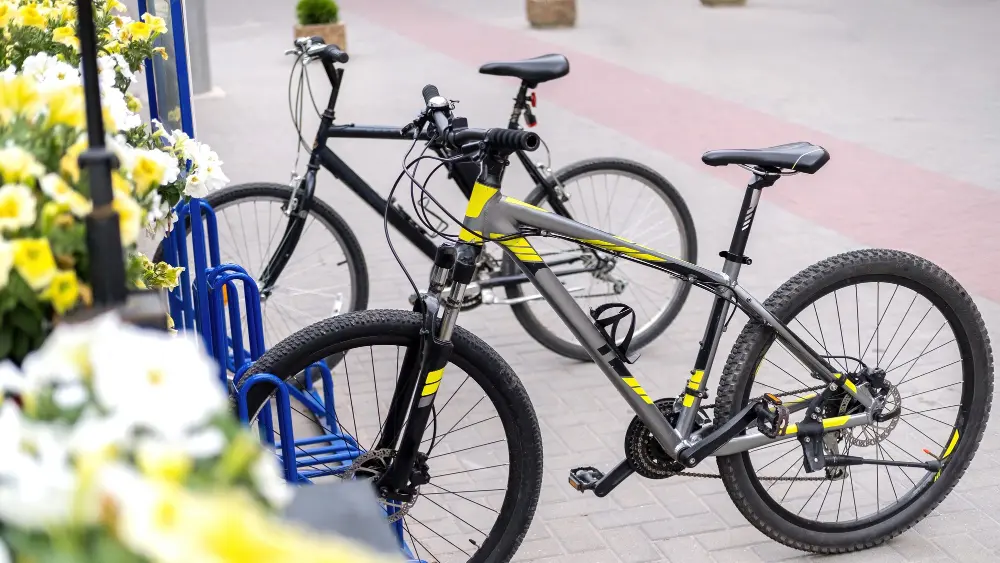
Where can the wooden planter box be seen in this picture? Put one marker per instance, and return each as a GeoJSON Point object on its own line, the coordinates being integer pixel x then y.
{"type": "Point", "coordinates": [332, 33]}
{"type": "Point", "coordinates": [552, 13]}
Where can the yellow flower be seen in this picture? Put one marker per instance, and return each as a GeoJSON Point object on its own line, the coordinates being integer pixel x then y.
{"type": "Point", "coordinates": [17, 207]}
{"type": "Point", "coordinates": [162, 52]}
{"type": "Point", "coordinates": [18, 96]}
{"type": "Point", "coordinates": [120, 185]}
{"type": "Point", "coordinates": [70, 165]}
{"type": "Point", "coordinates": [147, 173]}
{"type": "Point", "coordinates": [63, 291]}
{"type": "Point", "coordinates": [29, 16]}
{"type": "Point", "coordinates": [158, 26]}
{"type": "Point", "coordinates": [165, 464]}
{"type": "Point", "coordinates": [114, 6]}
{"type": "Point", "coordinates": [66, 107]}
{"type": "Point", "coordinates": [19, 165]}
{"type": "Point", "coordinates": [6, 13]}
{"type": "Point", "coordinates": [56, 188]}
{"type": "Point", "coordinates": [6, 262]}
{"type": "Point", "coordinates": [67, 12]}
{"type": "Point", "coordinates": [130, 218]}
{"type": "Point", "coordinates": [138, 31]}
{"type": "Point", "coordinates": [67, 36]}
{"type": "Point", "coordinates": [33, 260]}
{"type": "Point", "coordinates": [113, 47]}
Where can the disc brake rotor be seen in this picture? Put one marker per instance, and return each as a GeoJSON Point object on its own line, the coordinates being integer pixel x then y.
{"type": "Point", "coordinates": [370, 465]}
{"type": "Point", "coordinates": [870, 434]}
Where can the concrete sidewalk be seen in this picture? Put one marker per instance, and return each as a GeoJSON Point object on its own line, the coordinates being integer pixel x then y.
{"type": "Point", "coordinates": [902, 93]}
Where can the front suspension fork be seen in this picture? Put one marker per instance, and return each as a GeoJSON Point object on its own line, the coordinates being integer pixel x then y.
{"type": "Point", "coordinates": [423, 366]}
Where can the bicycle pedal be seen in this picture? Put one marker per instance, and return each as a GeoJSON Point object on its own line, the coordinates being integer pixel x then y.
{"type": "Point", "coordinates": [584, 478]}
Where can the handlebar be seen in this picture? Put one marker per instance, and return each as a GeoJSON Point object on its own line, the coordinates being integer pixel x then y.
{"type": "Point", "coordinates": [502, 139]}
{"type": "Point", "coordinates": [316, 47]}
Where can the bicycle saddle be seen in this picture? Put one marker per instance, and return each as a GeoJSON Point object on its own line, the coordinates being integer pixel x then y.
{"type": "Point", "coordinates": [798, 157]}
{"type": "Point", "coordinates": [533, 71]}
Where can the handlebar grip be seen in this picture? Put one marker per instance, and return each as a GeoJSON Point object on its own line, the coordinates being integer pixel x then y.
{"type": "Point", "coordinates": [513, 139]}
{"type": "Point", "coordinates": [333, 54]}
{"type": "Point", "coordinates": [430, 91]}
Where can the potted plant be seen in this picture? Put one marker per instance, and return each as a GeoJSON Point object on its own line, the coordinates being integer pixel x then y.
{"type": "Point", "coordinates": [45, 262]}
{"type": "Point", "coordinates": [321, 18]}
{"type": "Point", "coordinates": [713, 3]}
{"type": "Point", "coordinates": [552, 13]}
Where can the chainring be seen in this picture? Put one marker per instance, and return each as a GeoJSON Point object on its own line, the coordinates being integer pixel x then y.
{"type": "Point", "coordinates": [645, 454]}
{"type": "Point", "coordinates": [371, 465]}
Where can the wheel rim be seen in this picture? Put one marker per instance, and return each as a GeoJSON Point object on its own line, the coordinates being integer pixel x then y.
{"type": "Point", "coordinates": [457, 515]}
{"type": "Point", "coordinates": [627, 205]}
{"type": "Point", "coordinates": [919, 342]}
{"type": "Point", "coordinates": [319, 279]}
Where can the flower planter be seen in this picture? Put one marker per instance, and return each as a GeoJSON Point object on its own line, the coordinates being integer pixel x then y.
{"type": "Point", "coordinates": [332, 33]}
{"type": "Point", "coordinates": [552, 13]}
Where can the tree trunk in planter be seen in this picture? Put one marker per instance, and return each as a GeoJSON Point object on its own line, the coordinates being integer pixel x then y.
{"type": "Point", "coordinates": [332, 33]}
{"type": "Point", "coordinates": [552, 13]}
{"type": "Point", "coordinates": [724, 2]}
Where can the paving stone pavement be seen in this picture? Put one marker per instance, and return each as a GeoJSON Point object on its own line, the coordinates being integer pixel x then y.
{"type": "Point", "coordinates": [913, 80]}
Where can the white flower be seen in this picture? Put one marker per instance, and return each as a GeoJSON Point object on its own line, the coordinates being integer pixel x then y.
{"type": "Point", "coordinates": [50, 73]}
{"type": "Point", "coordinates": [37, 485]}
{"type": "Point", "coordinates": [11, 379]}
{"type": "Point", "coordinates": [65, 356]}
{"type": "Point", "coordinates": [70, 397]}
{"type": "Point", "coordinates": [56, 188]}
{"type": "Point", "coordinates": [6, 261]}
{"type": "Point", "coordinates": [140, 506]}
{"type": "Point", "coordinates": [109, 67]}
{"type": "Point", "coordinates": [165, 384]}
{"type": "Point", "coordinates": [95, 434]}
{"type": "Point", "coordinates": [9, 73]}
{"type": "Point", "coordinates": [206, 443]}
{"type": "Point", "coordinates": [114, 101]}
{"type": "Point", "coordinates": [269, 482]}
{"type": "Point", "coordinates": [18, 206]}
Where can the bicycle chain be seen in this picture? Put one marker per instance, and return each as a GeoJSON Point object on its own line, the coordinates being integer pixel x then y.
{"type": "Point", "coordinates": [775, 479]}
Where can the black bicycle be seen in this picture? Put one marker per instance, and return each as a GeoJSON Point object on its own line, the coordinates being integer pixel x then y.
{"type": "Point", "coordinates": [301, 252]}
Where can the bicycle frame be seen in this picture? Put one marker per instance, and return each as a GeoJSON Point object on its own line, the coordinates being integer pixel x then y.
{"type": "Point", "coordinates": [490, 216]}
{"type": "Point", "coordinates": [463, 173]}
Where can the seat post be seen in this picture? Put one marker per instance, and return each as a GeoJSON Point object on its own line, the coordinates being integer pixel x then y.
{"type": "Point", "coordinates": [515, 116]}
{"type": "Point", "coordinates": [735, 257]}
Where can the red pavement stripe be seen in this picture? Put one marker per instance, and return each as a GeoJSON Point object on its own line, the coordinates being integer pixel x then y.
{"type": "Point", "coordinates": [875, 199]}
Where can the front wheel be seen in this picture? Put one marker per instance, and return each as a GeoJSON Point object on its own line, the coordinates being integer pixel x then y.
{"type": "Point", "coordinates": [482, 445]}
{"type": "Point", "coordinates": [866, 311]}
{"type": "Point", "coordinates": [623, 198]}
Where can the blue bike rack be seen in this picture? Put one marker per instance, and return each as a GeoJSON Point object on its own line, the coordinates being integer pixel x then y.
{"type": "Point", "coordinates": [207, 302]}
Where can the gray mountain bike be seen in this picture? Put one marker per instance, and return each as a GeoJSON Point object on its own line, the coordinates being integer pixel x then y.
{"type": "Point", "coordinates": [829, 436]}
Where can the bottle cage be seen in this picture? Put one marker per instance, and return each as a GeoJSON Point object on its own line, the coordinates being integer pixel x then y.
{"type": "Point", "coordinates": [614, 320]}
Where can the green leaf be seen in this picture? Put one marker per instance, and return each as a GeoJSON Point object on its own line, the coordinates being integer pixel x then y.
{"type": "Point", "coordinates": [6, 339]}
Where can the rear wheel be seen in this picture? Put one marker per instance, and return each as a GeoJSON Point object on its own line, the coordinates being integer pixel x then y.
{"type": "Point", "coordinates": [326, 274]}
{"type": "Point", "coordinates": [483, 445]}
{"type": "Point", "coordinates": [624, 198]}
{"type": "Point", "coordinates": [885, 310]}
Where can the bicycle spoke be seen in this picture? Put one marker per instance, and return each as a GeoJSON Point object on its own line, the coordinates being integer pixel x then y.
{"type": "Point", "coordinates": [911, 335]}
{"type": "Point", "coordinates": [840, 324]}
{"type": "Point", "coordinates": [440, 438]}
{"type": "Point", "coordinates": [932, 371]}
{"type": "Point", "coordinates": [466, 449]}
{"type": "Point", "coordinates": [470, 471]}
{"type": "Point", "coordinates": [899, 326]}
{"type": "Point", "coordinates": [463, 520]}
{"type": "Point", "coordinates": [922, 354]}
{"type": "Point", "coordinates": [411, 517]}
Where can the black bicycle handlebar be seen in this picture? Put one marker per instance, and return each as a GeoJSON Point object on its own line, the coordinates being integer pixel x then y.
{"type": "Point", "coordinates": [501, 139]}
{"type": "Point", "coordinates": [315, 46]}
